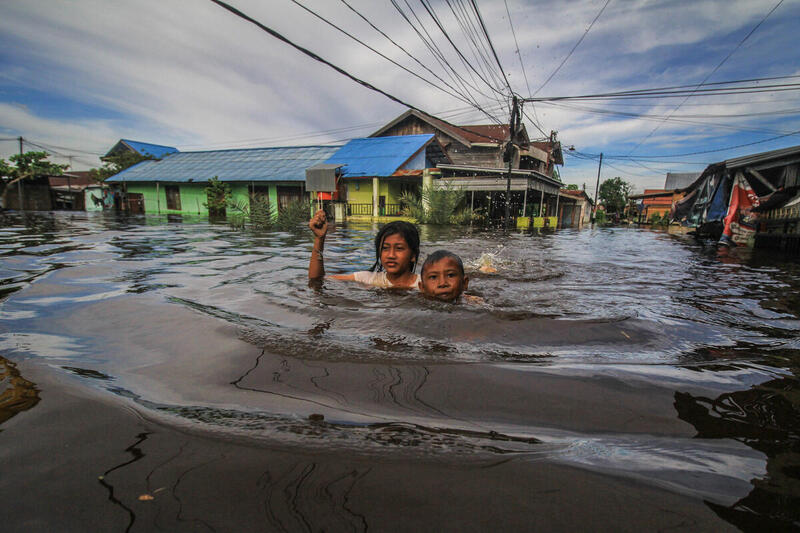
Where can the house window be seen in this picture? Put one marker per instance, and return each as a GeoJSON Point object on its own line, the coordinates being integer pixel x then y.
{"type": "Point", "coordinates": [287, 195]}
{"type": "Point", "coordinates": [173, 197]}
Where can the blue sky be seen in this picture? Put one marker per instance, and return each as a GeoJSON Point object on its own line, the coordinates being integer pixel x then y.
{"type": "Point", "coordinates": [79, 75]}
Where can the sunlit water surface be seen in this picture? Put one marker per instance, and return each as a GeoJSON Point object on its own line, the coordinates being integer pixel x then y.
{"type": "Point", "coordinates": [632, 352]}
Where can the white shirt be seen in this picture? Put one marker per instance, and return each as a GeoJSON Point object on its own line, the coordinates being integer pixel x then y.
{"type": "Point", "coordinates": [378, 279]}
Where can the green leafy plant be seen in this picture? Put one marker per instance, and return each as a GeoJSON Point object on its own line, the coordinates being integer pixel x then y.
{"type": "Point", "coordinates": [614, 194]}
{"type": "Point", "coordinates": [256, 211]}
{"type": "Point", "coordinates": [293, 214]}
{"type": "Point", "coordinates": [116, 164]}
{"type": "Point", "coordinates": [27, 166]}
{"type": "Point", "coordinates": [600, 217]}
{"type": "Point", "coordinates": [658, 220]}
{"type": "Point", "coordinates": [442, 203]}
{"type": "Point", "coordinates": [218, 196]}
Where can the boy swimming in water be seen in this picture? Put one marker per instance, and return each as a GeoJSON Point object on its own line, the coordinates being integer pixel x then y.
{"type": "Point", "coordinates": [443, 276]}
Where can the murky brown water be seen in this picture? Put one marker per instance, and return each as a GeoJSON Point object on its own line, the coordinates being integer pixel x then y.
{"type": "Point", "coordinates": [618, 362]}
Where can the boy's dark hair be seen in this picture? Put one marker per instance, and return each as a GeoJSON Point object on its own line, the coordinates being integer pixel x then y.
{"type": "Point", "coordinates": [408, 231]}
{"type": "Point", "coordinates": [438, 255]}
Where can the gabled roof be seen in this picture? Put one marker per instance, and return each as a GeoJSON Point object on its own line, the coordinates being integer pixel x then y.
{"type": "Point", "coordinates": [679, 180]}
{"type": "Point", "coordinates": [580, 193]}
{"type": "Point", "coordinates": [253, 164]}
{"type": "Point", "coordinates": [146, 149]}
{"type": "Point", "coordinates": [466, 135]}
{"type": "Point", "coordinates": [383, 156]}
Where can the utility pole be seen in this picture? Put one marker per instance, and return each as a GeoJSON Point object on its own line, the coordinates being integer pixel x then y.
{"type": "Point", "coordinates": [597, 188]}
{"type": "Point", "coordinates": [19, 183]}
{"type": "Point", "coordinates": [513, 126]}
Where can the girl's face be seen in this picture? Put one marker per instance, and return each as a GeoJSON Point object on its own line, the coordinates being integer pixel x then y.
{"type": "Point", "coordinates": [396, 255]}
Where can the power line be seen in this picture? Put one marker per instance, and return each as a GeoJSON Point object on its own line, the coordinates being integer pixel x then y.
{"type": "Point", "coordinates": [473, 103]}
{"type": "Point", "coordinates": [436, 52]}
{"type": "Point", "coordinates": [478, 48]}
{"type": "Point", "coordinates": [491, 46]}
{"type": "Point", "coordinates": [585, 33]}
{"type": "Point", "coordinates": [320, 59]}
{"type": "Point", "coordinates": [362, 43]}
{"type": "Point", "coordinates": [677, 120]}
{"type": "Point", "coordinates": [667, 92]}
{"type": "Point", "coordinates": [446, 34]}
{"type": "Point", "coordinates": [711, 73]}
{"type": "Point", "coordinates": [644, 157]}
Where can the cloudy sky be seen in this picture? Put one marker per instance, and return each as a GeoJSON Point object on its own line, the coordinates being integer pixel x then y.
{"type": "Point", "coordinates": [77, 75]}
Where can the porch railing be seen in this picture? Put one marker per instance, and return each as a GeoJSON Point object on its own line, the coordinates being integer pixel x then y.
{"type": "Point", "coordinates": [388, 210]}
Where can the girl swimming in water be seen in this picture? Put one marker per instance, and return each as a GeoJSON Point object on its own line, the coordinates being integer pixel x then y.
{"type": "Point", "coordinates": [396, 255]}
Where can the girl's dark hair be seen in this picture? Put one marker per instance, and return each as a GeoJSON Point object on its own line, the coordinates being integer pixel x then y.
{"type": "Point", "coordinates": [408, 231]}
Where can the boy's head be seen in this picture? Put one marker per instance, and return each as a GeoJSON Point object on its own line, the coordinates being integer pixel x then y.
{"type": "Point", "coordinates": [443, 276]}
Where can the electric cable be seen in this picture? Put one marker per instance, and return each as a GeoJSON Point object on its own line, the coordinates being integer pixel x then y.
{"type": "Point", "coordinates": [573, 49]}
{"type": "Point", "coordinates": [362, 43]}
{"type": "Point", "coordinates": [316, 57]}
{"type": "Point", "coordinates": [712, 72]}
{"type": "Point", "coordinates": [420, 63]}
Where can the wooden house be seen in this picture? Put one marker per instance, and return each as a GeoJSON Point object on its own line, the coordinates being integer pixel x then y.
{"type": "Point", "coordinates": [479, 166]}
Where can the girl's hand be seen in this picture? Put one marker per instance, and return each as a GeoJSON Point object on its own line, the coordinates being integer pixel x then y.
{"type": "Point", "coordinates": [319, 224]}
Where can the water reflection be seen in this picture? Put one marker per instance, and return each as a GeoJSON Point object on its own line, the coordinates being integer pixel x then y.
{"type": "Point", "coordinates": [17, 394]}
{"type": "Point", "coordinates": [765, 417]}
{"type": "Point", "coordinates": [576, 355]}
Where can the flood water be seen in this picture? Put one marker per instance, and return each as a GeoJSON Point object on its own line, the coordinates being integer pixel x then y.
{"type": "Point", "coordinates": [181, 375]}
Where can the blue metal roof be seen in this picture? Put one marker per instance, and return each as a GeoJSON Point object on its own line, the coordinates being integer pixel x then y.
{"type": "Point", "coordinates": [156, 150]}
{"type": "Point", "coordinates": [379, 156]}
{"type": "Point", "coordinates": [254, 164]}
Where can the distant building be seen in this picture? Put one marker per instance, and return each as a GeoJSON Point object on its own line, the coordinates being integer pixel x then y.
{"type": "Point", "coordinates": [753, 200]}
{"type": "Point", "coordinates": [680, 180]}
{"type": "Point", "coordinates": [575, 208]}
{"type": "Point", "coordinates": [154, 151]}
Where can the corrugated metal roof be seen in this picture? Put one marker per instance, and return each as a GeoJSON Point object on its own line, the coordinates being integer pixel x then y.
{"type": "Point", "coordinates": [761, 157]}
{"type": "Point", "coordinates": [378, 156]}
{"type": "Point", "coordinates": [254, 164]}
{"type": "Point", "coordinates": [679, 180]}
{"type": "Point", "coordinates": [147, 149]}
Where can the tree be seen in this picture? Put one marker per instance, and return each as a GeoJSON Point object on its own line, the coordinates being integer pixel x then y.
{"type": "Point", "coordinates": [218, 194]}
{"type": "Point", "coordinates": [115, 164]}
{"type": "Point", "coordinates": [571, 187]}
{"type": "Point", "coordinates": [27, 166]}
{"type": "Point", "coordinates": [614, 194]}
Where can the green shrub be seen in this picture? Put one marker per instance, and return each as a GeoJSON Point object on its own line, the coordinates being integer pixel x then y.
{"type": "Point", "coordinates": [294, 214]}
{"type": "Point", "coordinates": [600, 217]}
{"type": "Point", "coordinates": [257, 211]}
{"type": "Point", "coordinates": [218, 196]}
{"type": "Point", "coordinates": [442, 201]}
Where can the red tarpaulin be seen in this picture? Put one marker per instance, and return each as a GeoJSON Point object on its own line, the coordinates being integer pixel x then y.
{"type": "Point", "coordinates": [740, 222]}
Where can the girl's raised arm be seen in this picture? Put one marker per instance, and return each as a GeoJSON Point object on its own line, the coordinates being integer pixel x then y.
{"type": "Point", "coordinates": [316, 266]}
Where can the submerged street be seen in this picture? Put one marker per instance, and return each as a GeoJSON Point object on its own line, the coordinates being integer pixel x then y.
{"type": "Point", "coordinates": [175, 374]}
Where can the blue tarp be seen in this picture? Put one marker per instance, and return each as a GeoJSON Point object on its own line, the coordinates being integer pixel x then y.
{"type": "Point", "coordinates": [381, 156]}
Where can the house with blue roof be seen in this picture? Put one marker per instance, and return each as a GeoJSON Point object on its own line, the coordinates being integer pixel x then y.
{"type": "Point", "coordinates": [376, 171]}
{"type": "Point", "coordinates": [177, 182]}
{"type": "Point", "coordinates": [148, 150]}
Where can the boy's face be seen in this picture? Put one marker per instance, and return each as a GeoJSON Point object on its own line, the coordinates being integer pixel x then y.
{"type": "Point", "coordinates": [443, 280]}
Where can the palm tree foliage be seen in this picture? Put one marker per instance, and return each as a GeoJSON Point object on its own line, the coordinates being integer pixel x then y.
{"type": "Point", "coordinates": [442, 204]}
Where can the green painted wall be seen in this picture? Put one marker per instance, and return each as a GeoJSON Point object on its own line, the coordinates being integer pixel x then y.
{"type": "Point", "coordinates": [386, 187]}
{"type": "Point", "coordinates": [361, 196]}
{"type": "Point", "coordinates": [193, 195]}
